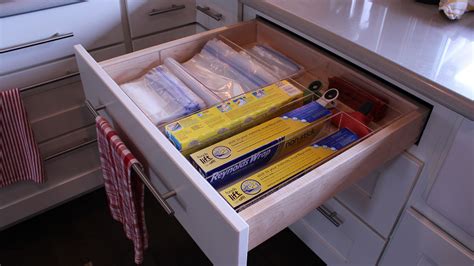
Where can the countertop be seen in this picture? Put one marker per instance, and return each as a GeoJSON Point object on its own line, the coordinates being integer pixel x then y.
{"type": "Point", "coordinates": [409, 42]}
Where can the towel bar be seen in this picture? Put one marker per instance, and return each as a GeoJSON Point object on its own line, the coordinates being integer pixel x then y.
{"type": "Point", "coordinates": [50, 157]}
{"type": "Point", "coordinates": [161, 198]}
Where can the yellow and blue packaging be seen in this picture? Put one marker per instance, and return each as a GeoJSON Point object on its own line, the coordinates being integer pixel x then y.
{"type": "Point", "coordinates": [277, 173]}
{"type": "Point", "coordinates": [243, 153]}
{"type": "Point", "coordinates": [193, 132]}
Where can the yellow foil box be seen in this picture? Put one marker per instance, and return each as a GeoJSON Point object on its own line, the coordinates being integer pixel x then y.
{"type": "Point", "coordinates": [213, 124]}
{"type": "Point", "coordinates": [243, 153]}
{"type": "Point", "coordinates": [275, 174]}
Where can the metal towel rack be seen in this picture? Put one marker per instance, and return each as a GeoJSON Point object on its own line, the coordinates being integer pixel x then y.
{"type": "Point", "coordinates": [161, 198]}
{"type": "Point", "coordinates": [34, 86]}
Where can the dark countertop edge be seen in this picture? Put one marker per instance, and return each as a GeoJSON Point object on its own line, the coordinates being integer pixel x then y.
{"type": "Point", "coordinates": [398, 73]}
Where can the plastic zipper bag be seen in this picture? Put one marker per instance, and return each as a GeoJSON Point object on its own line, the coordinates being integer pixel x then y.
{"type": "Point", "coordinates": [279, 63]}
{"type": "Point", "coordinates": [178, 70]}
{"type": "Point", "coordinates": [162, 96]}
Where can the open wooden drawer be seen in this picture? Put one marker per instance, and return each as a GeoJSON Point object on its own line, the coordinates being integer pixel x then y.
{"type": "Point", "coordinates": [222, 233]}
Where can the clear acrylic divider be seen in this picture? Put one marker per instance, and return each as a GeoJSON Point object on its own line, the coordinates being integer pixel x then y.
{"type": "Point", "coordinates": [265, 63]}
{"type": "Point", "coordinates": [294, 163]}
{"type": "Point", "coordinates": [347, 98]}
{"type": "Point", "coordinates": [243, 116]}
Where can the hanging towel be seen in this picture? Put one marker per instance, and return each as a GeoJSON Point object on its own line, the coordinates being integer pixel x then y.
{"type": "Point", "coordinates": [125, 192]}
{"type": "Point", "coordinates": [19, 155]}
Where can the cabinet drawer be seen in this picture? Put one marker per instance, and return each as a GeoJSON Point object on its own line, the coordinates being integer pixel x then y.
{"type": "Point", "coordinates": [51, 72]}
{"type": "Point", "coordinates": [351, 242]}
{"type": "Point", "coordinates": [38, 37]}
{"type": "Point", "coordinates": [150, 16]}
{"type": "Point", "coordinates": [68, 176]}
{"type": "Point", "coordinates": [222, 233]}
{"type": "Point", "coordinates": [227, 11]}
{"type": "Point", "coordinates": [417, 241]}
{"type": "Point", "coordinates": [167, 36]}
{"type": "Point", "coordinates": [379, 197]}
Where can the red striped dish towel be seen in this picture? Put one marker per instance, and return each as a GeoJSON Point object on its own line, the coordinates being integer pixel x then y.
{"type": "Point", "coordinates": [125, 192]}
{"type": "Point", "coordinates": [19, 154]}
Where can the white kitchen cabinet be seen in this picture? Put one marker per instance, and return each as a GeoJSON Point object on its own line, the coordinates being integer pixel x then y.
{"type": "Point", "coordinates": [59, 121]}
{"type": "Point", "coordinates": [35, 38]}
{"type": "Point", "coordinates": [167, 36]}
{"type": "Point", "coordinates": [351, 242]}
{"type": "Point", "coordinates": [379, 198]}
{"type": "Point", "coordinates": [68, 177]}
{"type": "Point", "coordinates": [213, 14]}
{"type": "Point", "coordinates": [54, 101]}
{"type": "Point", "coordinates": [149, 17]}
{"type": "Point", "coordinates": [49, 72]}
{"type": "Point", "coordinates": [417, 241]}
{"type": "Point", "coordinates": [445, 196]}
{"type": "Point", "coordinates": [222, 233]}
{"type": "Point", "coordinates": [368, 211]}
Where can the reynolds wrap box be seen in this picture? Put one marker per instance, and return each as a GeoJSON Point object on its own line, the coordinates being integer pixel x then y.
{"type": "Point", "coordinates": [234, 115]}
{"type": "Point", "coordinates": [275, 174]}
{"type": "Point", "coordinates": [242, 153]}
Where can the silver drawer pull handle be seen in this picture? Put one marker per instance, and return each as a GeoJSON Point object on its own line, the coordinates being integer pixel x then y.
{"type": "Point", "coordinates": [207, 11]}
{"type": "Point", "coordinates": [161, 198]}
{"type": "Point", "coordinates": [54, 37]}
{"type": "Point", "coordinates": [330, 215]}
{"type": "Point", "coordinates": [166, 10]}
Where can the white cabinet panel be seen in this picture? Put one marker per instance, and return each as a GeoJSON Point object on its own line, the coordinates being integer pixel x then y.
{"type": "Point", "coordinates": [93, 23]}
{"type": "Point", "coordinates": [378, 198]}
{"type": "Point", "coordinates": [150, 16]}
{"type": "Point", "coordinates": [67, 177]}
{"type": "Point", "coordinates": [419, 242]}
{"type": "Point", "coordinates": [167, 36]}
{"type": "Point", "coordinates": [352, 242]}
{"type": "Point", "coordinates": [447, 197]}
{"type": "Point", "coordinates": [226, 10]}
{"type": "Point", "coordinates": [451, 194]}
{"type": "Point", "coordinates": [54, 70]}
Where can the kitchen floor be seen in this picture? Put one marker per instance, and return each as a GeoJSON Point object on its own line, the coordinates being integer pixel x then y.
{"type": "Point", "coordinates": [82, 232]}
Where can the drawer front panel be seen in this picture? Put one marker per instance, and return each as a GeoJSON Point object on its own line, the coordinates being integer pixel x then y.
{"type": "Point", "coordinates": [195, 197]}
{"type": "Point", "coordinates": [378, 198]}
{"type": "Point", "coordinates": [149, 16]}
{"type": "Point", "coordinates": [227, 10]}
{"type": "Point", "coordinates": [166, 36]}
{"type": "Point", "coordinates": [350, 243]}
{"type": "Point", "coordinates": [71, 25]}
{"type": "Point", "coordinates": [54, 70]}
{"type": "Point", "coordinates": [212, 223]}
{"type": "Point", "coordinates": [67, 176]}
{"type": "Point", "coordinates": [419, 242]}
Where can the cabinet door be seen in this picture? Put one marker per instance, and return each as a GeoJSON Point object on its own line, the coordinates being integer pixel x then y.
{"type": "Point", "coordinates": [419, 242]}
{"type": "Point", "coordinates": [351, 242]}
{"type": "Point", "coordinates": [447, 198]}
{"type": "Point", "coordinates": [378, 198]}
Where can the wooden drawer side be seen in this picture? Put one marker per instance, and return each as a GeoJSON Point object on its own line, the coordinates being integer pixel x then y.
{"type": "Point", "coordinates": [285, 206]}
